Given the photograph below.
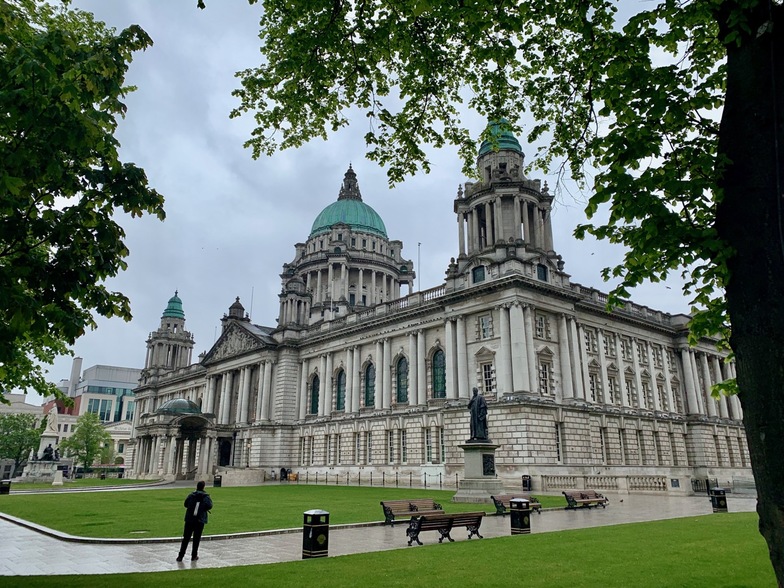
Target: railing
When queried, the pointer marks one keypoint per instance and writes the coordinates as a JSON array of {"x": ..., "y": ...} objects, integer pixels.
[
  {"x": 647, "y": 483},
  {"x": 601, "y": 482},
  {"x": 383, "y": 479},
  {"x": 705, "y": 484},
  {"x": 558, "y": 482}
]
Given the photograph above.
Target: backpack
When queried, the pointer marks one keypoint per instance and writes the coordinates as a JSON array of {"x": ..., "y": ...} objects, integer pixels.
[{"x": 194, "y": 508}]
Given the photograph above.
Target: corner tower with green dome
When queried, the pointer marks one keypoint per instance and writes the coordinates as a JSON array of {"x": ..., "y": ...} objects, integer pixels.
[
  {"x": 171, "y": 346},
  {"x": 347, "y": 263},
  {"x": 503, "y": 220}
]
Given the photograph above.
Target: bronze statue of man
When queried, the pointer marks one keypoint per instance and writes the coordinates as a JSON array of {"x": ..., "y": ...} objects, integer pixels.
[{"x": 478, "y": 408}]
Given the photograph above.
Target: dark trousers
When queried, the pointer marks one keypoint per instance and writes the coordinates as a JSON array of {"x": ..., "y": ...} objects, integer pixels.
[{"x": 195, "y": 530}]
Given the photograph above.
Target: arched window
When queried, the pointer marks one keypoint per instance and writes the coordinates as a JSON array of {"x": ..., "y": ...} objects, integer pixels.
[
  {"x": 402, "y": 380},
  {"x": 370, "y": 385},
  {"x": 314, "y": 395},
  {"x": 340, "y": 400},
  {"x": 439, "y": 374}
]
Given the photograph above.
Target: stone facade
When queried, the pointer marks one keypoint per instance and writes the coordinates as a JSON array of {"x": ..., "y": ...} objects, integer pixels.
[{"x": 358, "y": 378}]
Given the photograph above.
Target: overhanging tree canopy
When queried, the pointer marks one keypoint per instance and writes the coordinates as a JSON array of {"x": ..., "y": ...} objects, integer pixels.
[
  {"x": 61, "y": 181},
  {"x": 678, "y": 106}
]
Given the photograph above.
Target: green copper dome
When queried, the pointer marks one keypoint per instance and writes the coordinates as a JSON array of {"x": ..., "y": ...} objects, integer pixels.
[
  {"x": 174, "y": 308},
  {"x": 179, "y": 406},
  {"x": 349, "y": 209},
  {"x": 506, "y": 140}
]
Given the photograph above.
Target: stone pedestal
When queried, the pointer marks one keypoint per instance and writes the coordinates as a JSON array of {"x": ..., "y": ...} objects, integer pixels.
[
  {"x": 480, "y": 481},
  {"x": 58, "y": 478}
]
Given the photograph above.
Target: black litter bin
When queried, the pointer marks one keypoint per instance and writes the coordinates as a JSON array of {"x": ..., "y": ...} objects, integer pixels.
[
  {"x": 5, "y": 486},
  {"x": 315, "y": 534},
  {"x": 526, "y": 483},
  {"x": 718, "y": 499},
  {"x": 283, "y": 474},
  {"x": 103, "y": 476},
  {"x": 217, "y": 481},
  {"x": 520, "y": 516}
]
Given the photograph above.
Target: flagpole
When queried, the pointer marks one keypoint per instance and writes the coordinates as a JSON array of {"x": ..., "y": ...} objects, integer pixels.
[{"x": 419, "y": 265}]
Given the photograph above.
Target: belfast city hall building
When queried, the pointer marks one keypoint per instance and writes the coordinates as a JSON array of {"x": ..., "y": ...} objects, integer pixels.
[{"x": 363, "y": 377}]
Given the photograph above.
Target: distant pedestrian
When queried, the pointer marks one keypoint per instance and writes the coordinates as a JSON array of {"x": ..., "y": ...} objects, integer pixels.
[{"x": 197, "y": 504}]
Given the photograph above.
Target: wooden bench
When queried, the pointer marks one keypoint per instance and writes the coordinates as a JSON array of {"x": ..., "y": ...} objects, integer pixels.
[
  {"x": 502, "y": 502},
  {"x": 409, "y": 508},
  {"x": 444, "y": 523},
  {"x": 584, "y": 499}
]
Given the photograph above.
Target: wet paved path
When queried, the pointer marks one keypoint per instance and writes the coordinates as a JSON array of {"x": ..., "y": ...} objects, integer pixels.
[{"x": 28, "y": 552}]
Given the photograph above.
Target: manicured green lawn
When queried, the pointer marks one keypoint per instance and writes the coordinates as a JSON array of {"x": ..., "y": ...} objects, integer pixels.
[
  {"x": 159, "y": 512},
  {"x": 723, "y": 550},
  {"x": 80, "y": 483}
]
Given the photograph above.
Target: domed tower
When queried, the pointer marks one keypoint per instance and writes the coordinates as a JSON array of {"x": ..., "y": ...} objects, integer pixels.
[
  {"x": 348, "y": 262},
  {"x": 171, "y": 346},
  {"x": 236, "y": 313},
  {"x": 504, "y": 219}
]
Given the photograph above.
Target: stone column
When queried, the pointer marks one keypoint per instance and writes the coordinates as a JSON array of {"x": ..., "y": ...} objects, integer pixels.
[
  {"x": 462, "y": 359},
  {"x": 328, "y": 404},
  {"x": 379, "y": 383},
  {"x": 667, "y": 379},
  {"x": 710, "y": 403},
  {"x": 695, "y": 372},
  {"x": 421, "y": 371},
  {"x": 529, "y": 346},
  {"x": 688, "y": 377},
  {"x": 319, "y": 292},
  {"x": 517, "y": 219},
  {"x": 266, "y": 400},
  {"x": 360, "y": 285},
  {"x": 322, "y": 384},
  {"x": 373, "y": 297},
  {"x": 245, "y": 395},
  {"x": 723, "y": 413},
  {"x": 303, "y": 390},
  {"x": 519, "y": 355},
  {"x": 654, "y": 389},
  {"x": 349, "y": 399},
  {"x": 641, "y": 401},
  {"x": 385, "y": 380},
  {"x": 460, "y": 233},
  {"x": 413, "y": 370},
  {"x": 331, "y": 283},
  {"x": 259, "y": 391},
  {"x": 526, "y": 223},
  {"x": 577, "y": 370},
  {"x": 356, "y": 379},
  {"x": 451, "y": 381},
  {"x": 566, "y": 361},
  {"x": 504, "y": 367},
  {"x": 602, "y": 366},
  {"x": 475, "y": 241}
]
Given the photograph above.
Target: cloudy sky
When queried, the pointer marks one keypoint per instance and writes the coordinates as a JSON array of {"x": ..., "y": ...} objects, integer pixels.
[{"x": 233, "y": 221}]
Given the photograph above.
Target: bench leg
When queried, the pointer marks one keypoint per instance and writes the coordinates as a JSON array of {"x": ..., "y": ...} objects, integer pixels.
[
  {"x": 445, "y": 535},
  {"x": 473, "y": 530},
  {"x": 413, "y": 537}
]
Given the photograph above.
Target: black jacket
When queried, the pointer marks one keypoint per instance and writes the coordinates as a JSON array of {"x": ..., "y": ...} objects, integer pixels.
[{"x": 204, "y": 502}]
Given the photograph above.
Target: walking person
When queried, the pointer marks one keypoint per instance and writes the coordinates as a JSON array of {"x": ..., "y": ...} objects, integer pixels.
[{"x": 197, "y": 504}]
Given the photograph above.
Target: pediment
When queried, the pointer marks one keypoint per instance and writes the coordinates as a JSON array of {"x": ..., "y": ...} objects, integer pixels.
[{"x": 234, "y": 341}]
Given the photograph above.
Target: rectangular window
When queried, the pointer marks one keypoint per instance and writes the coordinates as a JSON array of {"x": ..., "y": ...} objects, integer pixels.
[
  {"x": 609, "y": 344},
  {"x": 545, "y": 378},
  {"x": 330, "y": 455},
  {"x": 719, "y": 455},
  {"x": 674, "y": 450},
  {"x": 657, "y": 450},
  {"x": 641, "y": 448},
  {"x": 105, "y": 413},
  {"x": 428, "y": 447},
  {"x": 441, "y": 455},
  {"x": 657, "y": 356},
  {"x": 642, "y": 353},
  {"x": 593, "y": 386},
  {"x": 647, "y": 394},
  {"x": 626, "y": 348},
  {"x": 337, "y": 449},
  {"x": 603, "y": 443},
  {"x": 590, "y": 341},
  {"x": 353, "y": 241},
  {"x": 542, "y": 327},
  {"x": 485, "y": 327},
  {"x": 356, "y": 448},
  {"x": 662, "y": 397},
  {"x": 390, "y": 446},
  {"x": 120, "y": 447},
  {"x": 403, "y": 447},
  {"x": 478, "y": 274},
  {"x": 622, "y": 446},
  {"x": 742, "y": 453},
  {"x": 369, "y": 447},
  {"x": 488, "y": 378},
  {"x": 612, "y": 389},
  {"x": 302, "y": 460},
  {"x": 558, "y": 442},
  {"x": 630, "y": 394}
]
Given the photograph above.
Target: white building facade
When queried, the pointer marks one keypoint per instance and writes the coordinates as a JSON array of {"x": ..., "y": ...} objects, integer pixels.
[{"x": 362, "y": 375}]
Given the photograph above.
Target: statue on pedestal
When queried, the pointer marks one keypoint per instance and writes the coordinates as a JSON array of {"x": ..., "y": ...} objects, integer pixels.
[
  {"x": 48, "y": 453},
  {"x": 478, "y": 408}
]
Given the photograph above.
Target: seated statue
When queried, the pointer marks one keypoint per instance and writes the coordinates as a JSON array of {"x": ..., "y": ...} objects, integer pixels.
[{"x": 48, "y": 453}]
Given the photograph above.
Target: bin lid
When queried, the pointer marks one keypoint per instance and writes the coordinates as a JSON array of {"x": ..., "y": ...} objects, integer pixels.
[
  {"x": 316, "y": 511},
  {"x": 519, "y": 500}
]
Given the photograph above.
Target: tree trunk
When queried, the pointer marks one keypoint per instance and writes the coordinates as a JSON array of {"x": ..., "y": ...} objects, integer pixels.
[{"x": 750, "y": 220}]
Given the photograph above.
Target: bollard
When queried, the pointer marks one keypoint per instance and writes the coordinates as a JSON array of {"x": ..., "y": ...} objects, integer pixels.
[
  {"x": 520, "y": 516},
  {"x": 5, "y": 487},
  {"x": 315, "y": 534},
  {"x": 718, "y": 499}
]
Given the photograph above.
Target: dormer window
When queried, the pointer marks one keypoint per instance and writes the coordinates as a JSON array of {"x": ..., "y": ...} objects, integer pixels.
[
  {"x": 478, "y": 274},
  {"x": 541, "y": 272},
  {"x": 340, "y": 236}
]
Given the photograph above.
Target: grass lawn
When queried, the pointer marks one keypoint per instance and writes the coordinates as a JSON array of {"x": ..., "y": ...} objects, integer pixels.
[
  {"x": 723, "y": 550},
  {"x": 159, "y": 512},
  {"x": 80, "y": 483}
]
